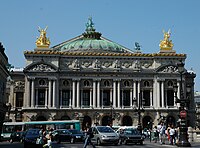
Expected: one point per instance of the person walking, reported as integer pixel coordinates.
(172, 135)
(89, 135)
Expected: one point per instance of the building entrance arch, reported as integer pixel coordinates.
(170, 121)
(41, 118)
(127, 121)
(105, 120)
(87, 121)
(147, 122)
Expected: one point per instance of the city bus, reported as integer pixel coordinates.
(10, 127)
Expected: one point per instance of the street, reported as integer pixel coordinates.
(146, 144)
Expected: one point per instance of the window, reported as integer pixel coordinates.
(170, 84)
(126, 83)
(146, 84)
(65, 97)
(126, 97)
(86, 83)
(42, 82)
(41, 97)
(19, 99)
(86, 98)
(65, 83)
(106, 83)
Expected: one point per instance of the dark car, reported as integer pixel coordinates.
(130, 135)
(17, 136)
(76, 136)
(62, 135)
(31, 137)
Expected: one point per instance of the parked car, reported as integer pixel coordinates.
(76, 136)
(62, 135)
(104, 135)
(30, 137)
(17, 136)
(130, 135)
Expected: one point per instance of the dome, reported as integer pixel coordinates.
(91, 45)
(91, 41)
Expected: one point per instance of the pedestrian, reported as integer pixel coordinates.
(155, 132)
(89, 135)
(162, 134)
(172, 135)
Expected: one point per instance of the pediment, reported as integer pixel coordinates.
(168, 69)
(40, 67)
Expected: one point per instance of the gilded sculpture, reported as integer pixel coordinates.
(166, 44)
(42, 41)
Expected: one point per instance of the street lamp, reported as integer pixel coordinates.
(183, 136)
(111, 114)
(8, 110)
(139, 110)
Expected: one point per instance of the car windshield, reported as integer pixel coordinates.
(64, 132)
(32, 132)
(105, 129)
(75, 131)
(131, 132)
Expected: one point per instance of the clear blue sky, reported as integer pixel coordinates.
(122, 21)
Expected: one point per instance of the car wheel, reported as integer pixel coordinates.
(125, 142)
(141, 143)
(120, 141)
(72, 140)
(98, 142)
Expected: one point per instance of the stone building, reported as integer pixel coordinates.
(98, 81)
(3, 78)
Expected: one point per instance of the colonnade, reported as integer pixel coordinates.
(157, 93)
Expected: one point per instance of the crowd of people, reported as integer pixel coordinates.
(46, 138)
(162, 133)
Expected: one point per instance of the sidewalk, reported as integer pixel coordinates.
(157, 144)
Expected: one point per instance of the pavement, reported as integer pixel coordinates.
(167, 144)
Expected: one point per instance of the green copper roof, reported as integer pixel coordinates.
(91, 41)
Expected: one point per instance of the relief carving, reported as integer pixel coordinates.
(42, 67)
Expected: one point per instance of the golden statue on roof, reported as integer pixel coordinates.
(166, 44)
(42, 41)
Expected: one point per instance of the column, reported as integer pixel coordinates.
(155, 93)
(134, 90)
(138, 94)
(162, 93)
(158, 94)
(131, 97)
(54, 93)
(73, 93)
(151, 98)
(94, 94)
(78, 94)
(179, 92)
(98, 94)
(46, 97)
(90, 97)
(118, 93)
(62, 99)
(36, 97)
(28, 93)
(32, 93)
(111, 96)
(50, 93)
(114, 94)
(14, 100)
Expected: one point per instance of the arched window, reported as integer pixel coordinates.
(170, 83)
(86, 83)
(106, 83)
(126, 83)
(146, 84)
(42, 82)
(65, 83)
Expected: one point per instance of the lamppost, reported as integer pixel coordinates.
(9, 109)
(111, 114)
(183, 135)
(139, 110)
(16, 114)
